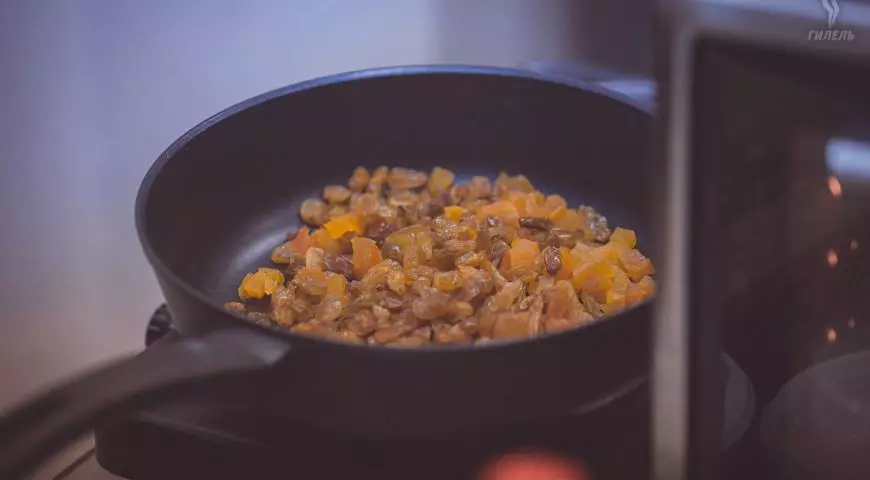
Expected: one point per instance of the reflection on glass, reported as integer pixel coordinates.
(832, 335)
(832, 258)
(848, 159)
(851, 323)
(853, 245)
(835, 187)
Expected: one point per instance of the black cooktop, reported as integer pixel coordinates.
(200, 439)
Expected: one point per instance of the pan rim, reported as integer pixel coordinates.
(165, 273)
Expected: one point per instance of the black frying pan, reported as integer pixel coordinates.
(216, 202)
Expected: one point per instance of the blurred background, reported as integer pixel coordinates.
(93, 90)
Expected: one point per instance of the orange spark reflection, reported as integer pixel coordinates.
(832, 258)
(835, 187)
(832, 335)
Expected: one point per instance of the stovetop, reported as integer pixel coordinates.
(200, 439)
(203, 440)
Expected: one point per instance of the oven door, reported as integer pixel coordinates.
(767, 175)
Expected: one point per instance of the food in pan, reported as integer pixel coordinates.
(400, 257)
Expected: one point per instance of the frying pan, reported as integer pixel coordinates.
(218, 199)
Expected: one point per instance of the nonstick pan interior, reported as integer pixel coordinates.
(231, 191)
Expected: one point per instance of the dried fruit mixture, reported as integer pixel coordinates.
(400, 257)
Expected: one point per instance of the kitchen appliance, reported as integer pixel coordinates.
(765, 142)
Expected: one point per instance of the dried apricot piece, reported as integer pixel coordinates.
(614, 298)
(563, 300)
(301, 242)
(636, 264)
(523, 254)
(595, 278)
(552, 203)
(640, 291)
(609, 253)
(518, 199)
(311, 281)
(454, 212)
(570, 220)
(503, 210)
(506, 183)
(347, 223)
(323, 240)
(569, 263)
(534, 206)
(261, 283)
(335, 284)
(624, 236)
(366, 254)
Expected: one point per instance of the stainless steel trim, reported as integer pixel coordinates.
(670, 397)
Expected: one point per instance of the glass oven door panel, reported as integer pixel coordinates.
(787, 138)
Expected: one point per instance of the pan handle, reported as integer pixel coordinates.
(42, 425)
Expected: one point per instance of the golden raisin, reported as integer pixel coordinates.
(314, 211)
(396, 281)
(405, 179)
(359, 180)
(440, 180)
(447, 281)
